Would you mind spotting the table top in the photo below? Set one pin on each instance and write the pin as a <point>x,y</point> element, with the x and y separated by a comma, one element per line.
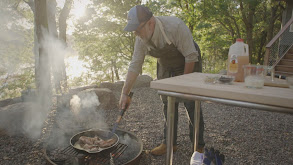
<point>195,84</point>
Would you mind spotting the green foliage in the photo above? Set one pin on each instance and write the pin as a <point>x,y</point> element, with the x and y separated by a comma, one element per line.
<point>16,39</point>
<point>13,84</point>
<point>16,44</point>
<point>216,24</point>
<point>101,42</point>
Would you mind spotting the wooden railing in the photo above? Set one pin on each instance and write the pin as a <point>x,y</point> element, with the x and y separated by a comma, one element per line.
<point>275,40</point>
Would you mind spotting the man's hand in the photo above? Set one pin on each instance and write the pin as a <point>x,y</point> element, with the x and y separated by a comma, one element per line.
<point>125,98</point>
<point>125,101</point>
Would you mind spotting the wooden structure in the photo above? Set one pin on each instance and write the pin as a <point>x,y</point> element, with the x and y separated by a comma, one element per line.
<point>279,51</point>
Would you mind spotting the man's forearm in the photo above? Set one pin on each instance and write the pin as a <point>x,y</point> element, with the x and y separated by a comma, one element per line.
<point>130,79</point>
<point>188,68</point>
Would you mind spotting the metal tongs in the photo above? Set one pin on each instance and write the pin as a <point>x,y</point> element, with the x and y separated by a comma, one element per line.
<point>122,111</point>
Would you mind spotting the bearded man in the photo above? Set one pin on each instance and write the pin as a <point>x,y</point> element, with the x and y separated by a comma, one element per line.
<point>168,39</point>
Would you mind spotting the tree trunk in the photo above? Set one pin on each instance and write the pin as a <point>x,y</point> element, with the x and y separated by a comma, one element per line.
<point>44,87</point>
<point>31,4</point>
<point>272,21</point>
<point>260,53</point>
<point>115,70</point>
<point>51,11</point>
<point>112,74</point>
<point>62,20</point>
<point>248,21</point>
<point>55,62</point>
<point>62,36</point>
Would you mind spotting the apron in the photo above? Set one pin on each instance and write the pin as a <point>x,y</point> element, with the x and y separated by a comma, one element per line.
<point>170,60</point>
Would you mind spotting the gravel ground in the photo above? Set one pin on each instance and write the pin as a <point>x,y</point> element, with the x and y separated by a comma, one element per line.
<point>244,136</point>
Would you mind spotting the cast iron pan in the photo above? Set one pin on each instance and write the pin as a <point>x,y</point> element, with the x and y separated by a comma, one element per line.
<point>103,134</point>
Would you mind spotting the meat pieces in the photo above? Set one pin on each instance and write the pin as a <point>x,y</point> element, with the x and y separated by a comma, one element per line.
<point>89,140</point>
<point>93,144</point>
<point>90,148</point>
<point>107,143</point>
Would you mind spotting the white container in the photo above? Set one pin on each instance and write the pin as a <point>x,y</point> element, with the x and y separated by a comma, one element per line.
<point>254,76</point>
<point>237,57</point>
<point>196,158</point>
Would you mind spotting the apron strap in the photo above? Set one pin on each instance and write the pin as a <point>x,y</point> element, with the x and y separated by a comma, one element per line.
<point>163,31</point>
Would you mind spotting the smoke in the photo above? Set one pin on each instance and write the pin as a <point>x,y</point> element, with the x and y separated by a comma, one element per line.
<point>33,121</point>
<point>56,49</point>
<point>29,118</point>
<point>84,107</point>
<point>13,42</point>
<point>133,147</point>
<point>75,105</point>
<point>15,46</point>
<point>23,118</point>
<point>33,117</point>
<point>83,114</point>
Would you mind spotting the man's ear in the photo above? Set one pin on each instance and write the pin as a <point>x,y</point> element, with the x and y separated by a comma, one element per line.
<point>152,23</point>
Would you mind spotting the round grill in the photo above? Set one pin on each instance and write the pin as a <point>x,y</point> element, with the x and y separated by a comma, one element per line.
<point>127,151</point>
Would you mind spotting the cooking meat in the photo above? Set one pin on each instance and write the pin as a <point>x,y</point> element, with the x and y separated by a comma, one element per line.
<point>89,140</point>
<point>90,147</point>
<point>94,143</point>
<point>106,143</point>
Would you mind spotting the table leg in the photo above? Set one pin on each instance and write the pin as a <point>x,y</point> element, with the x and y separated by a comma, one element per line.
<point>170,129</point>
<point>196,123</point>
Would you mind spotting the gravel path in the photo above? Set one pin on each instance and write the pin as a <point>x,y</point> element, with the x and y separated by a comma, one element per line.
<point>244,136</point>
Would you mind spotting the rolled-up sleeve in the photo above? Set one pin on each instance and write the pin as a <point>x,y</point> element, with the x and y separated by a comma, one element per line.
<point>184,43</point>
<point>138,56</point>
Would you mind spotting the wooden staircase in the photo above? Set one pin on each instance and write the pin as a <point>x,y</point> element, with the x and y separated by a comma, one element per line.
<point>285,66</point>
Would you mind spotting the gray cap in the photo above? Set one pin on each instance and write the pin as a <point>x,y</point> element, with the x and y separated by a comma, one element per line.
<point>132,20</point>
<point>137,15</point>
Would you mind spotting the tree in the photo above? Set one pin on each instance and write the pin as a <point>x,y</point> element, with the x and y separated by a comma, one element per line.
<point>57,61</point>
<point>58,64</point>
<point>44,82</point>
<point>102,41</point>
<point>218,23</point>
<point>16,42</point>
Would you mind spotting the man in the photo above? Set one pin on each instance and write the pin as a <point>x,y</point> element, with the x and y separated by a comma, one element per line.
<point>168,39</point>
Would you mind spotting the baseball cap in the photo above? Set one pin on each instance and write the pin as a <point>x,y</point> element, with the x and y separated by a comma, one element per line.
<point>137,15</point>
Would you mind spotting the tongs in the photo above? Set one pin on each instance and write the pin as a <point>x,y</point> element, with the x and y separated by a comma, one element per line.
<point>122,111</point>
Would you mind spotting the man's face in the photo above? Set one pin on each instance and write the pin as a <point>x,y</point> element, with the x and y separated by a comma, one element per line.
<point>144,31</point>
<point>140,29</point>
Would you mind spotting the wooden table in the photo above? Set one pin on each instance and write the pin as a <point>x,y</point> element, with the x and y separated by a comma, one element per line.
<point>193,86</point>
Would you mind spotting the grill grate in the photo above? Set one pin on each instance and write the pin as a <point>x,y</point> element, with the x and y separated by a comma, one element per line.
<point>82,157</point>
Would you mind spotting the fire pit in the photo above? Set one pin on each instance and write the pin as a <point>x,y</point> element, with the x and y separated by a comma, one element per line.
<point>127,151</point>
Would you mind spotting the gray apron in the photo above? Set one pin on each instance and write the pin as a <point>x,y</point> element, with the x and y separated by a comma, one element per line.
<point>170,60</point>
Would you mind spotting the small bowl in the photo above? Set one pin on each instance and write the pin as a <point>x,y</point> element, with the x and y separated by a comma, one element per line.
<point>226,79</point>
<point>290,81</point>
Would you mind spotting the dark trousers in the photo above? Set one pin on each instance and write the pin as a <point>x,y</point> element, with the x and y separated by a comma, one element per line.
<point>189,105</point>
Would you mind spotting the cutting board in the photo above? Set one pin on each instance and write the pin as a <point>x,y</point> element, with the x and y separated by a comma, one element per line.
<point>276,83</point>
